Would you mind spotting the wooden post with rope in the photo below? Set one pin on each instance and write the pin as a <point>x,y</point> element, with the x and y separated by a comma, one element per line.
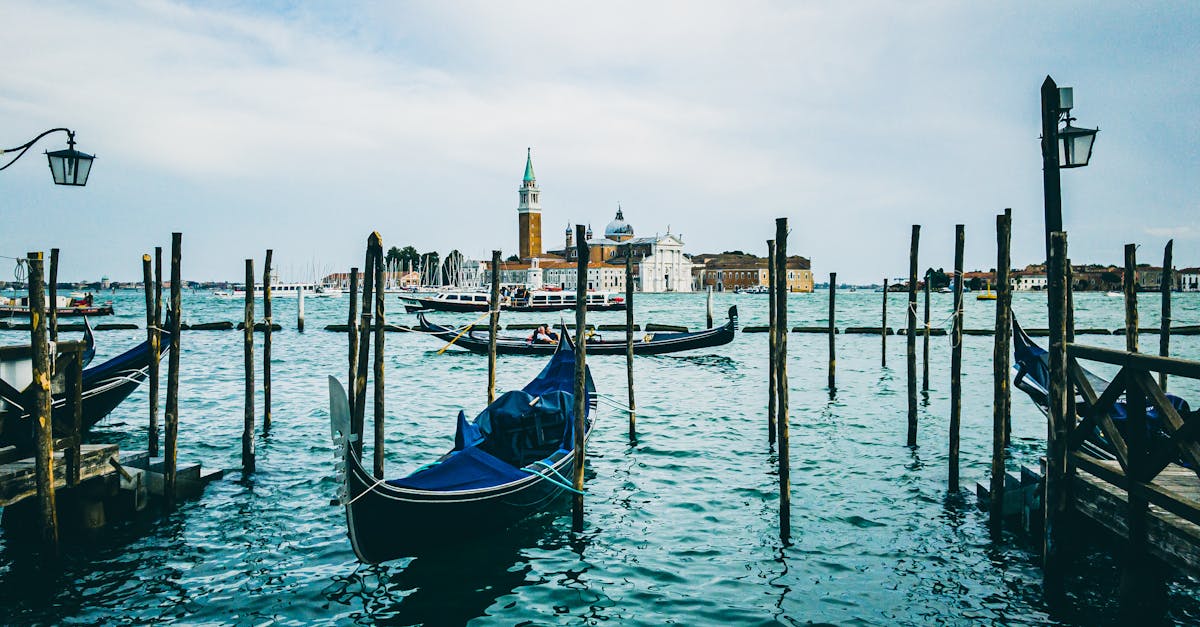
<point>358,418</point>
<point>925,332</point>
<point>629,338</point>
<point>156,345</point>
<point>493,325</point>
<point>267,324</point>
<point>172,414</point>
<point>581,391</point>
<point>911,354</point>
<point>956,358</point>
<point>248,354</point>
<point>42,404</point>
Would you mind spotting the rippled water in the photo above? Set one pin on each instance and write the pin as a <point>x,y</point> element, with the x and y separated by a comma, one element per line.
<point>681,524</point>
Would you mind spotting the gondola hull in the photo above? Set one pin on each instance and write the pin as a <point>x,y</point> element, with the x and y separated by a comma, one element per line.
<point>63,312</point>
<point>105,386</point>
<point>512,461</point>
<point>657,344</point>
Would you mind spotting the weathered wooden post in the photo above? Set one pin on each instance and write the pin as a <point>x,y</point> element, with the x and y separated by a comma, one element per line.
<point>300,309</point>
<point>956,358</point>
<point>629,337</point>
<point>267,324</point>
<point>53,298</point>
<point>152,337</point>
<point>832,333</point>
<point>772,344</point>
<point>1164,330</point>
<point>1000,367</point>
<point>1130,287</point>
<point>883,329</point>
<point>1070,281</point>
<point>1057,502</point>
<point>43,429</point>
<point>581,391</point>
<point>925,336</point>
<point>493,325</point>
<point>780,296</point>
<point>911,354</point>
<point>377,249</point>
<point>352,325</point>
<point>156,344</point>
<point>709,307</point>
<point>358,423</point>
<point>75,402</point>
<point>248,353</point>
<point>172,435</point>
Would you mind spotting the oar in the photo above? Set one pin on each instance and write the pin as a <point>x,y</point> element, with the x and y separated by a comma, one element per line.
<point>464,330</point>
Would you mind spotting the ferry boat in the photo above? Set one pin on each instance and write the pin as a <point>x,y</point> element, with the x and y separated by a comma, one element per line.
<point>757,289</point>
<point>520,300</point>
<point>287,290</point>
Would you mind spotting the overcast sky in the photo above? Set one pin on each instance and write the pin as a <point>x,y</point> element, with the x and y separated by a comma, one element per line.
<point>303,127</point>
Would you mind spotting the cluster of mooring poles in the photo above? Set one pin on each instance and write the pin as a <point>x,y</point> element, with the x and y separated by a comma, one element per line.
<point>248,326</point>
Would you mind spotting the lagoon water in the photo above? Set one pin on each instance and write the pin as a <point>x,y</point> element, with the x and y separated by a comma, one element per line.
<point>681,525</point>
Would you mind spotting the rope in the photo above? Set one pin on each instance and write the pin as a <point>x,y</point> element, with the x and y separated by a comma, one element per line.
<point>361,494</point>
<point>560,481</point>
<point>467,329</point>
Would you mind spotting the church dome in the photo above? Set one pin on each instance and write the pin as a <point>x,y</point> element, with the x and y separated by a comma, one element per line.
<point>618,230</point>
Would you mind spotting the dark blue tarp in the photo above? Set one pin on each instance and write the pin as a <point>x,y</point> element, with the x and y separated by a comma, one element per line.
<point>518,428</point>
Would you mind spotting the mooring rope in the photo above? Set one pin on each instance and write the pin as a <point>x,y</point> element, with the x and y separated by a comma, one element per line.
<point>467,329</point>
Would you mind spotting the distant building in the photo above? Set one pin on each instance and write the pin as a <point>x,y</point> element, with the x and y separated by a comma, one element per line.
<point>1188,279</point>
<point>529,213</point>
<point>728,272</point>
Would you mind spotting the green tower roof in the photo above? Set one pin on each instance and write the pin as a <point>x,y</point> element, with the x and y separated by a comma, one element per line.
<point>529,165</point>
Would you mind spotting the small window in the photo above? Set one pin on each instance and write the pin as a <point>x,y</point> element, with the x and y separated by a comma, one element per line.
<point>452,297</point>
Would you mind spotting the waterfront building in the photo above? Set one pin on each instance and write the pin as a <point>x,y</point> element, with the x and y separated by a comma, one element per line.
<point>1188,279</point>
<point>732,271</point>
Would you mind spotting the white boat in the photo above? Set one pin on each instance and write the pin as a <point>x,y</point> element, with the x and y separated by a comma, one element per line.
<point>293,290</point>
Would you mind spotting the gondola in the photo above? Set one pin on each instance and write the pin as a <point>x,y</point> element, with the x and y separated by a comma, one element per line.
<point>104,387</point>
<point>514,459</point>
<point>655,343</point>
<point>1032,363</point>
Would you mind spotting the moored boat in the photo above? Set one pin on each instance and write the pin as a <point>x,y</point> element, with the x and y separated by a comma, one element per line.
<point>75,305</point>
<point>655,343</point>
<point>520,300</point>
<point>511,461</point>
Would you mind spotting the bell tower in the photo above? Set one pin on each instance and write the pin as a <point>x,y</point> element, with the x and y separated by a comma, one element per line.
<point>529,213</point>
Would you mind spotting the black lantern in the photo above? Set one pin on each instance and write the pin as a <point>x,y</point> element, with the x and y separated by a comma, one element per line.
<point>1075,145</point>
<point>68,167</point>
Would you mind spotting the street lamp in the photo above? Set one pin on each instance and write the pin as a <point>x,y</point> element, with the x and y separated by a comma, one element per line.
<point>1068,147</point>
<point>1074,143</point>
<point>68,167</point>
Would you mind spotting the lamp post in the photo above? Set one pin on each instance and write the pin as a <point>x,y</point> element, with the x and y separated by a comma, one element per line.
<point>68,167</point>
<point>1068,147</point>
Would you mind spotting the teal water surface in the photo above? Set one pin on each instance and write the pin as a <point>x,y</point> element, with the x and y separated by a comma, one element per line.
<point>681,524</point>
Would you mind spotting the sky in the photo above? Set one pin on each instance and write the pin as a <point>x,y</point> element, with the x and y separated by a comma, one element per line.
<point>303,127</point>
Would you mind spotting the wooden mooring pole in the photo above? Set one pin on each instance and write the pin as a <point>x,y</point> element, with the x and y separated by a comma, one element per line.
<point>300,310</point>
<point>629,338</point>
<point>883,327</point>
<point>352,326</point>
<point>708,308</point>
<point>581,391</point>
<point>1057,501</point>
<point>832,333</point>
<point>493,325</point>
<point>53,297</point>
<point>772,343</point>
<point>1164,329</point>
<point>358,418</point>
<point>248,354</point>
<point>925,336</point>
<point>1129,284</point>
<point>43,429</point>
<point>377,251</point>
<point>956,358</point>
<point>267,323</point>
<point>1000,367</point>
<point>780,296</point>
<point>156,343</point>
<point>152,337</point>
<point>172,414</point>
<point>911,338</point>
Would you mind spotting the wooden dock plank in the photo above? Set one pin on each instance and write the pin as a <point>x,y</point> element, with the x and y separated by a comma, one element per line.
<point>17,481</point>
